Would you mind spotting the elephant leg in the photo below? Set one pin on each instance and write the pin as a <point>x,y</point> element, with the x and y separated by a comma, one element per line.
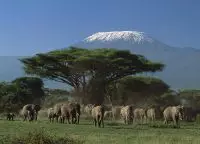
<point>102,121</point>
<point>78,119</point>
<point>63,120</point>
<point>75,121</point>
<point>174,121</point>
<point>36,117</point>
<point>95,122</point>
<point>68,118</point>
<point>72,120</point>
<point>141,120</point>
<point>165,121</point>
<point>99,123</point>
<point>124,120</point>
<point>24,118</point>
<point>57,118</point>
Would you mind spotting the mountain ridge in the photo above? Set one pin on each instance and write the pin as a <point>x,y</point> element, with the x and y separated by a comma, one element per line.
<point>181,69</point>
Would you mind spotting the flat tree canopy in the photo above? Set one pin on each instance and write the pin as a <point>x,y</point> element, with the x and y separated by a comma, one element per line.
<point>79,67</point>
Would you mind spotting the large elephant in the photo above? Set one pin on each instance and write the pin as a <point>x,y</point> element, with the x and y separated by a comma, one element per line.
<point>174,113</point>
<point>98,115</point>
<point>151,114</point>
<point>140,115</point>
<point>78,112</point>
<point>127,114</point>
<point>50,114</point>
<point>57,110</point>
<point>88,109</point>
<point>69,111</point>
<point>30,111</point>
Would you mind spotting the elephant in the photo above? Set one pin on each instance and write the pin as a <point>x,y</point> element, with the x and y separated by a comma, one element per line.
<point>98,115</point>
<point>127,114</point>
<point>140,114</point>
<point>151,114</point>
<point>10,116</point>
<point>69,111</point>
<point>174,113</point>
<point>30,111</point>
<point>50,113</point>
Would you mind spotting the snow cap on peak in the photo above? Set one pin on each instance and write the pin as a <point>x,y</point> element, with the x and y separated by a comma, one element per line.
<point>132,36</point>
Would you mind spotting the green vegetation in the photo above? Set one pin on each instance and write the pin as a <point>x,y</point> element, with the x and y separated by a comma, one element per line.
<point>136,90</point>
<point>53,96</point>
<point>96,76</point>
<point>85,70</point>
<point>40,136</point>
<point>88,134</point>
<point>13,95</point>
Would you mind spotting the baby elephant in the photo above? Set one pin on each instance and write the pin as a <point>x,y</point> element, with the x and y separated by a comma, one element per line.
<point>10,116</point>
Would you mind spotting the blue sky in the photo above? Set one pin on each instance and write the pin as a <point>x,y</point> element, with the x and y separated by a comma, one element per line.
<point>31,26</point>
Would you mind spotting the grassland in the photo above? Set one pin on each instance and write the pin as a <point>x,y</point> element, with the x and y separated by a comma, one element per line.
<point>113,133</point>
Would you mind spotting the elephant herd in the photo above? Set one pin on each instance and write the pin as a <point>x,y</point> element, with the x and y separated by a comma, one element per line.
<point>129,114</point>
<point>28,112</point>
<point>170,113</point>
<point>65,111</point>
<point>71,111</point>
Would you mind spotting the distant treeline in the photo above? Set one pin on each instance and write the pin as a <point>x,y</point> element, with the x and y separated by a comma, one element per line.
<point>139,91</point>
<point>24,90</point>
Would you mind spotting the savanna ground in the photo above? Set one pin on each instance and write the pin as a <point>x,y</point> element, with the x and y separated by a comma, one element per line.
<point>113,133</point>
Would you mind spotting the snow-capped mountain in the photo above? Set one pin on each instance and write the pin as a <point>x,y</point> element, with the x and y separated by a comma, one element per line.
<point>182,69</point>
<point>129,36</point>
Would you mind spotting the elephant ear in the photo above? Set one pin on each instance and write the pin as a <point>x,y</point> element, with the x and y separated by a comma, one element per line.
<point>180,107</point>
<point>37,107</point>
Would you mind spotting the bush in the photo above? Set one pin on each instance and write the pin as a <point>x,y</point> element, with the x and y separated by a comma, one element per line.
<point>163,126</point>
<point>41,137</point>
<point>198,118</point>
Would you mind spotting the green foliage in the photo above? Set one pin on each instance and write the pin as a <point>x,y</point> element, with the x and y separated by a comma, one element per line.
<point>42,137</point>
<point>53,96</point>
<point>20,91</point>
<point>88,69</point>
<point>138,83</point>
<point>136,90</point>
<point>190,98</point>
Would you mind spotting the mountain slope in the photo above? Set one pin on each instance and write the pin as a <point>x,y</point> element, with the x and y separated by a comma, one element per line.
<point>182,67</point>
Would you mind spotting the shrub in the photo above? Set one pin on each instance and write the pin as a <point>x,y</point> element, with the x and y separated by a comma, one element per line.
<point>163,126</point>
<point>42,137</point>
<point>198,118</point>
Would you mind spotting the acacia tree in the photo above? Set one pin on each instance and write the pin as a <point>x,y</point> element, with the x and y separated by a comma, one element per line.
<point>89,70</point>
